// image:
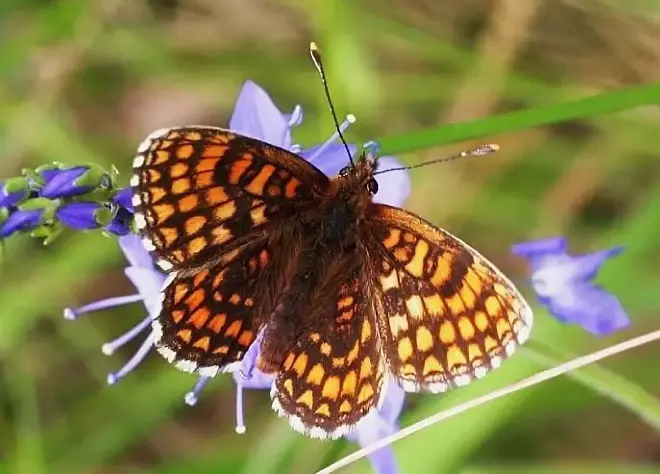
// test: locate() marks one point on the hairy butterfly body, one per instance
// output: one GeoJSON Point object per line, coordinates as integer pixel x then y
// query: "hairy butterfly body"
{"type": "Point", "coordinates": [348, 292]}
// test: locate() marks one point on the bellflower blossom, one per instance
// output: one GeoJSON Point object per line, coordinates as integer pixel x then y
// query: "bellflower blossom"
{"type": "Point", "coordinates": [255, 115]}
{"type": "Point", "coordinates": [563, 284]}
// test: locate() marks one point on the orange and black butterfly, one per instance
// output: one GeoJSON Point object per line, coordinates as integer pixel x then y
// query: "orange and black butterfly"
{"type": "Point", "coordinates": [348, 292]}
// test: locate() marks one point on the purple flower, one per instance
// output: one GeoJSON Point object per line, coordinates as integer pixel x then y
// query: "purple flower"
{"type": "Point", "coordinates": [63, 182]}
{"type": "Point", "coordinates": [9, 198]}
{"type": "Point", "coordinates": [28, 219]}
{"type": "Point", "coordinates": [563, 284]}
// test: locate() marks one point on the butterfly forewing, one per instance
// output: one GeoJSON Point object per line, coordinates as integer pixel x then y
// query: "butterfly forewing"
{"type": "Point", "coordinates": [446, 314]}
{"type": "Point", "coordinates": [199, 191]}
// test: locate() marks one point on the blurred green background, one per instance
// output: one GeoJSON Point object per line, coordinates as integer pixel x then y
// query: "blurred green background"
{"type": "Point", "coordinates": [85, 81]}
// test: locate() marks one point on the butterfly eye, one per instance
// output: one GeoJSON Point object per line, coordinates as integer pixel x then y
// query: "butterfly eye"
{"type": "Point", "coordinates": [344, 171]}
{"type": "Point", "coordinates": [372, 186]}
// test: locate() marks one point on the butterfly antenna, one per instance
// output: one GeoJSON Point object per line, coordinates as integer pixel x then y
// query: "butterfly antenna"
{"type": "Point", "coordinates": [479, 151]}
{"type": "Point", "coordinates": [316, 57]}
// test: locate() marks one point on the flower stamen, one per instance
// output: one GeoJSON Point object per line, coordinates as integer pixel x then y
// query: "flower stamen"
{"type": "Point", "coordinates": [73, 313]}
{"type": "Point", "coordinates": [350, 119]}
{"type": "Point", "coordinates": [191, 397]}
{"type": "Point", "coordinates": [110, 347]}
{"type": "Point", "coordinates": [240, 420]}
{"type": "Point", "coordinates": [134, 361]}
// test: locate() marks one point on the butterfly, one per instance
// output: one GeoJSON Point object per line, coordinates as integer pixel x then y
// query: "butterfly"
{"type": "Point", "coordinates": [347, 292]}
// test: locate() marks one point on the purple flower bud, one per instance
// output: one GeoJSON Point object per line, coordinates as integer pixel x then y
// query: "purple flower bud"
{"type": "Point", "coordinates": [80, 215]}
{"type": "Point", "coordinates": [124, 199]}
{"type": "Point", "coordinates": [21, 220]}
{"type": "Point", "coordinates": [63, 182]}
{"type": "Point", "coordinates": [8, 198]}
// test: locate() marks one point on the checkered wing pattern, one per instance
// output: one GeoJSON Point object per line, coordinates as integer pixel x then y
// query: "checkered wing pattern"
{"type": "Point", "coordinates": [446, 315]}
{"type": "Point", "coordinates": [210, 315]}
{"type": "Point", "coordinates": [333, 374]}
{"type": "Point", "coordinates": [200, 191]}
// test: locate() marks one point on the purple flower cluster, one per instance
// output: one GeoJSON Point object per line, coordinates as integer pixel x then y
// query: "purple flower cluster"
{"type": "Point", "coordinates": [79, 197]}
{"type": "Point", "coordinates": [561, 282]}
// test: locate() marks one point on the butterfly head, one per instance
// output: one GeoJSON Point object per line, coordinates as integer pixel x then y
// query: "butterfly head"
{"type": "Point", "coordinates": [361, 174]}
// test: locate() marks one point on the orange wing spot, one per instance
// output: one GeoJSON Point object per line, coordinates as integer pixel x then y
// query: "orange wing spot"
{"type": "Point", "coordinates": [323, 410]}
{"type": "Point", "coordinates": [288, 362]}
{"type": "Point", "coordinates": [195, 299]}
{"type": "Point", "coordinates": [306, 399]}
{"type": "Point", "coordinates": [350, 384]}
{"type": "Point", "coordinates": [492, 306]}
{"type": "Point", "coordinates": [216, 195]}
{"type": "Point", "coordinates": [432, 366]}
{"type": "Point", "coordinates": [424, 339]}
{"type": "Point", "coordinates": [455, 304]}
{"type": "Point", "coordinates": [402, 254]}
{"type": "Point", "coordinates": [177, 315]}
{"type": "Point", "coordinates": [258, 215]}
{"type": "Point", "coordinates": [389, 281]}
{"type": "Point", "coordinates": [503, 328]}
{"type": "Point", "coordinates": [398, 323]}
{"type": "Point", "coordinates": [215, 151]}
{"type": "Point", "coordinates": [217, 322]}
{"type": "Point", "coordinates": [154, 175]}
{"type": "Point", "coordinates": [416, 266]}
{"type": "Point", "coordinates": [316, 374]}
{"type": "Point", "coordinates": [192, 136]}
{"type": "Point", "coordinates": [224, 211]}
{"type": "Point", "coordinates": [273, 190]}
{"type": "Point", "coordinates": [331, 388]}
{"type": "Point", "coordinates": [467, 295]}
{"type": "Point", "coordinates": [466, 328]}
{"type": "Point", "coordinates": [491, 344]}
{"type": "Point", "coordinates": [246, 338]}
{"type": "Point", "coordinates": [203, 343]}
{"type": "Point", "coordinates": [345, 302]}
{"type": "Point", "coordinates": [392, 239]}
{"type": "Point", "coordinates": [196, 245]}
{"type": "Point", "coordinates": [180, 186]}
{"type": "Point", "coordinates": [218, 279]}
{"type": "Point", "coordinates": [366, 331]}
{"type": "Point", "coordinates": [408, 371]}
{"type": "Point", "coordinates": [204, 180]}
{"type": "Point", "coordinates": [291, 188]}
{"type": "Point", "coordinates": [184, 152]}
{"type": "Point", "coordinates": [408, 237]}
{"type": "Point", "coordinates": [185, 335]}
{"type": "Point", "coordinates": [455, 357]}
{"type": "Point", "coordinates": [157, 194]}
{"type": "Point", "coordinates": [365, 368]}
{"type": "Point", "coordinates": [162, 156]}
{"type": "Point", "coordinates": [474, 352]}
{"type": "Point", "coordinates": [163, 212]}
{"type": "Point", "coordinates": [447, 333]}
{"type": "Point", "coordinates": [481, 321]}
{"type": "Point", "coordinates": [434, 305]}
{"type": "Point", "coordinates": [405, 349]}
{"type": "Point", "coordinates": [415, 306]}
{"type": "Point", "coordinates": [338, 362]}
{"type": "Point", "coordinates": [315, 337]}
{"type": "Point", "coordinates": [366, 393]}
{"type": "Point", "coordinates": [178, 255]}
{"type": "Point", "coordinates": [221, 234]}
{"type": "Point", "coordinates": [221, 350]}
{"type": "Point", "coordinates": [300, 364]}
{"type": "Point", "coordinates": [180, 290]}
{"type": "Point", "coordinates": [223, 138]}
{"type": "Point", "coordinates": [326, 349]}
{"type": "Point", "coordinates": [472, 279]}
{"type": "Point", "coordinates": [207, 164]}
{"type": "Point", "coordinates": [249, 302]}
{"type": "Point", "coordinates": [344, 317]}
{"type": "Point", "coordinates": [501, 290]}
{"type": "Point", "coordinates": [442, 271]}
{"type": "Point", "coordinates": [234, 328]}
{"type": "Point", "coordinates": [165, 143]}
{"type": "Point", "coordinates": [170, 234]}
{"type": "Point", "coordinates": [239, 167]}
{"type": "Point", "coordinates": [345, 407]}
{"type": "Point", "coordinates": [258, 183]}
{"type": "Point", "coordinates": [288, 386]}
{"type": "Point", "coordinates": [200, 317]}
{"type": "Point", "coordinates": [263, 258]}
{"type": "Point", "coordinates": [178, 169]}
{"type": "Point", "coordinates": [353, 353]}
{"type": "Point", "coordinates": [235, 298]}
{"type": "Point", "coordinates": [188, 203]}
{"type": "Point", "coordinates": [194, 224]}
{"type": "Point", "coordinates": [217, 296]}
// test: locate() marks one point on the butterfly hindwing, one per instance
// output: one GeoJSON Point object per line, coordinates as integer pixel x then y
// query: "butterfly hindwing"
{"type": "Point", "coordinates": [446, 314]}
{"type": "Point", "coordinates": [210, 315]}
{"type": "Point", "coordinates": [200, 191]}
{"type": "Point", "coordinates": [333, 373]}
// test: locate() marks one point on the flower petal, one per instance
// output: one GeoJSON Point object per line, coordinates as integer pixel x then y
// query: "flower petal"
{"type": "Point", "coordinates": [21, 220]}
{"type": "Point", "coordinates": [256, 116]}
{"type": "Point", "coordinates": [124, 199]}
{"type": "Point", "coordinates": [149, 284]}
{"type": "Point", "coordinates": [61, 183]}
{"type": "Point", "coordinates": [257, 380]}
{"type": "Point", "coordinates": [135, 252]}
{"type": "Point", "coordinates": [591, 307]}
{"type": "Point", "coordinates": [393, 188]}
{"type": "Point", "coordinates": [79, 215]}
{"type": "Point", "coordinates": [333, 158]}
